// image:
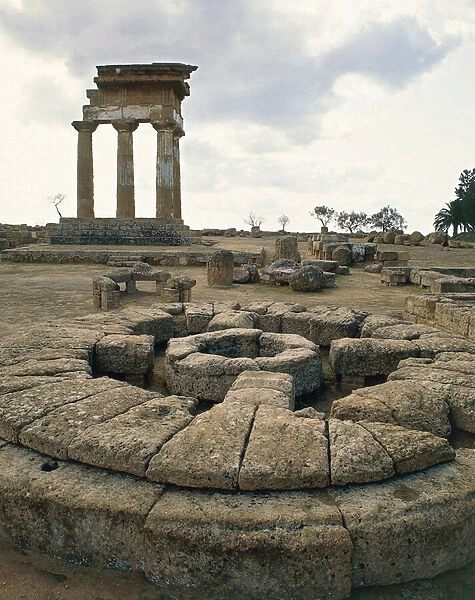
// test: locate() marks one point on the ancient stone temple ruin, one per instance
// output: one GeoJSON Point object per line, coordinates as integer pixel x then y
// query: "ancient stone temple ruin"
{"type": "Point", "coordinates": [126, 96]}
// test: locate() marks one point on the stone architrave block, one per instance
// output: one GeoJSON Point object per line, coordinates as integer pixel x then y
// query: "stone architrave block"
{"type": "Point", "coordinates": [411, 528]}
{"type": "Point", "coordinates": [97, 517]}
{"type": "Point", "coordinates": [125, 354]}
{"type": "Point", "coordinates": [195, 540]}
{"type": "Point", "coordinates": [285, 452]}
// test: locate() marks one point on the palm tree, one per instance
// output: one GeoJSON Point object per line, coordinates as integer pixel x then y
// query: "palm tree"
{"type": "Point", "coordinates": [451, 216]}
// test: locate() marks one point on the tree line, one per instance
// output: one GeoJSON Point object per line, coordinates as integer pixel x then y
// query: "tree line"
{"type": "Point", "coordinates": [384, 219]}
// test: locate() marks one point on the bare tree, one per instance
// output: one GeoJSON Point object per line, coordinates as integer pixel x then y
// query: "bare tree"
{"type": "Point", "coordinates": [56, 201]}
{"type": "Point", "coordinates": [284, 220]}
{"type": "Point", "coordinates": [253, 220]}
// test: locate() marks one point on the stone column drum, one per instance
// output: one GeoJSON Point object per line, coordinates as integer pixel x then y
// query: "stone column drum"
{"type": "Point", "coordinates": [287, 247]}
{"type": "Point", "coordinates": [165, 183]}
{"type": "Point", "coordinates": [85, 170]}
{"type": "Point", "coordinates": [125, 168]}
{"type": "Point", "coordinates": [220, 268]}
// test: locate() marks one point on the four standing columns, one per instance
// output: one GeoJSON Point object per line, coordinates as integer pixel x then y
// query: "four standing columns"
{"type": "Point", "coordinates": [125, 168]}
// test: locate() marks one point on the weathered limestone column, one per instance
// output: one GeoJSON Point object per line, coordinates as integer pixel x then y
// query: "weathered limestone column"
{"type": "Point", "coordinates": [176, 174]}
{"type": "Point", "coordinates": [221, 268]}
{"type": "Point", "coordinates": [125, 168]}
{"type": "Point", "coordinates": [287, 247]}
{"type": "Point", "coordinates": [85, 169]}
{"type": "Point", "coordinates": [165, 182]}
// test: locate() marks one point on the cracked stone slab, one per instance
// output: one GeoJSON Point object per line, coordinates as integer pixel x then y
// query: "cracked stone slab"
{"type": "Point", "coordinates": [360, 408]}
{"type": "Point", "coordinates": [52, 433]}
{"type": "Point", "coordinates": [273, 546]}
{"type": "Point", "coordinates": [208, 452]}
{"type": "Point", "coordinates": [13, 356]}
{"type": "Point", "coordinates": [281, 382]}
{"type": "Point", "coordinates": [410, 450]}
{"type": "Point", "coordinates": [73, 512]}
{"type": "Point", "coordinates": [128, 441]}
{"type": "Point", "coordinates": [413, 404]}
{"type": "Point", "coordinates": [19, 409]}
{"type": "Point", "coordinates": [285, 451]}
{"type": "Point", "coordinates": [47, 367]}
{"type": "Point", "coordinates": [356, 457]}
{"type": "Point", "coordinates": [413, 527]}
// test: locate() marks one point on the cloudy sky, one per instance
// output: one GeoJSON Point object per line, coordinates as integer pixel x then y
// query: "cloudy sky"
{"type": "Point", "coordinates": [354, 104]}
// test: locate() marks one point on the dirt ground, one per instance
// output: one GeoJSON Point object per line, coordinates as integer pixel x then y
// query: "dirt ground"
{"type": "Point", "coordinates": [35, 293]}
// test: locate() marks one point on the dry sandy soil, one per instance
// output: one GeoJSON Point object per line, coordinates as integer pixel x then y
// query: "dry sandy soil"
{"type": "Point", "coordinates": [33, 293]}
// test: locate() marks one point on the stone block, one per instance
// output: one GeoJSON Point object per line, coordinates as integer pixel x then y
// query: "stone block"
{"type": "Point", "coordinates": [128, 441]}
{"type": "Point", "coordinates": [20, 408]}
{"type": "Point", "coordinates": [411, 528]}
{"type": "Point", "coordinates": [208, 452]}
{"type": "Point", "coordinates": [125, 354]}
{"type": "Point", "coordinates": [198, 317]}
{"type": "Point", "coordinates": [369, 357]}
{"type": "Point", "coordinates": [53, 433]}
{"type": "Point", "coordinates": [410, 450]}
{"type": "Point", "coordinates": [285, 452]}
{"type": "Point", "coordinates": [170, 294]}
{"type": "Point", "coordinates": [355, 455]}
{"type": "Point", "coordinates": [248, 545]}
{"type": "Point", "coordinates": [110, 300]}
{"type": "Point", "coordinates": [97, 517]}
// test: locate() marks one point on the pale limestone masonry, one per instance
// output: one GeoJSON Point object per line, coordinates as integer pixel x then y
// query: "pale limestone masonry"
{"type": "Point", "coordinates": [99, 472]}
{"type": "Point", "coordinates": [454, 313]}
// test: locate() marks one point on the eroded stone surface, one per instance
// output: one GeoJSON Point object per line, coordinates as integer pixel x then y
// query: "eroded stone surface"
{"type": "Point", "coordinates": [294, 545]}
{"type": "Point", "coordinates": [18, 409]}
{"type": "Point", "coordinates": [410, 450]}
{"type": "Point", "coordinates": [285, 452]}
{"type": "Point", "coordinates": [128, 441]}
{"type": "Point", "coordinates": [355, 455]}
{"type": "Point", "coordinates": [411, 528]}
{"type": "Point", "coordinates": [208, 452]}
{"type": "Point", "coordinates": [52, 433]}
{"type": "Point", "coordinates": [82, 515]}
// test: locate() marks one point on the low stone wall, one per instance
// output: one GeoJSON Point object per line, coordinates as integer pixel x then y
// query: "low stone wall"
{"type": "Point", "coordinates": [454, 313]}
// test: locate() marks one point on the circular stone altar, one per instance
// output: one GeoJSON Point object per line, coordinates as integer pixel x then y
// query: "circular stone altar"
{"type": "Point", "coordinates": [249, 497]}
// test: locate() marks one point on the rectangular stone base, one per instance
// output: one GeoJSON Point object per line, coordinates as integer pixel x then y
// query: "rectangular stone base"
{"type": "Point", "coordinates": [143, 232]}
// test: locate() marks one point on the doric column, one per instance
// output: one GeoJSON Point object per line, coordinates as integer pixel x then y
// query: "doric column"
{"type": "Point", "coordinates": [176, 174]}
{"type": "Point", "coordinates": [85, 169]}
{"type": "Point", "coordinates": [125, 168]}
{"type": "Point", "coordinates": [165, 186]}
